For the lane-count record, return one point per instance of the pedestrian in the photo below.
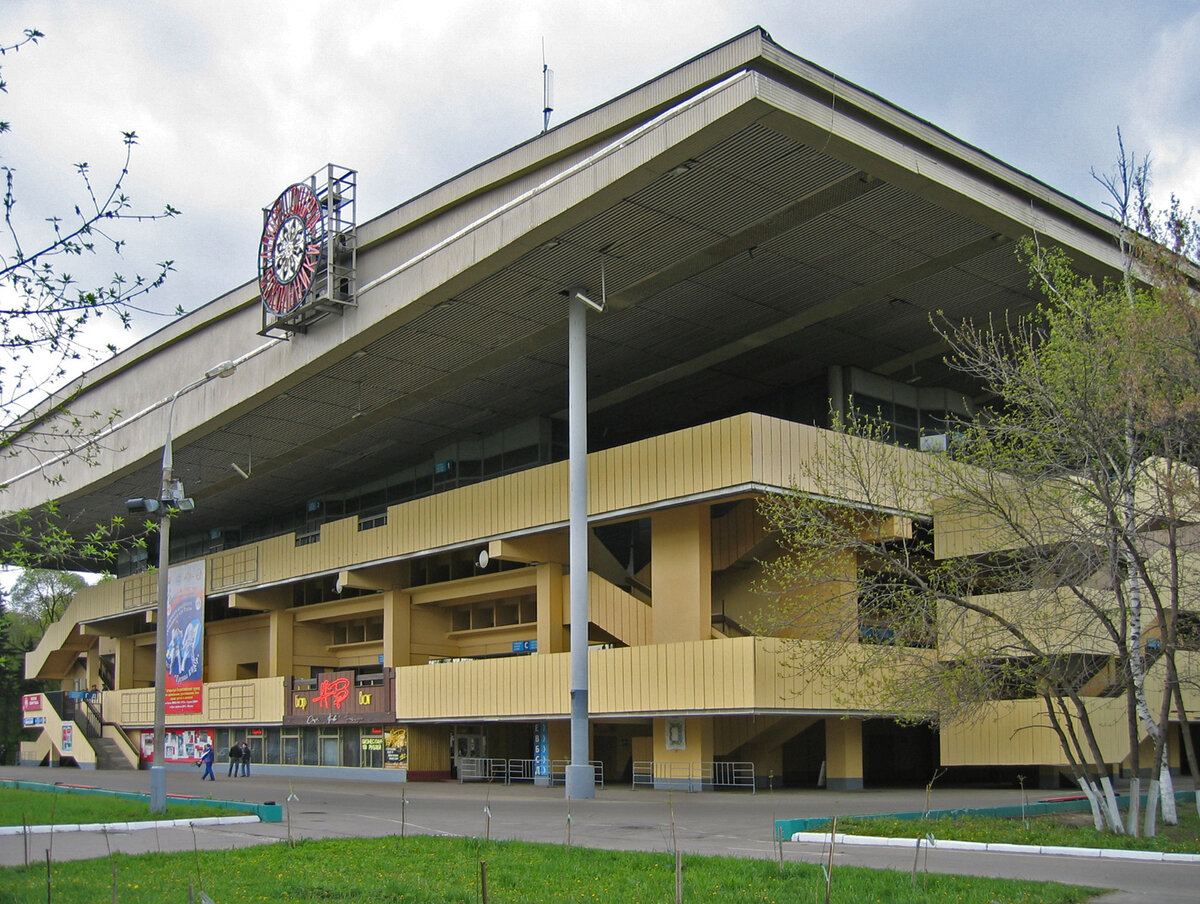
(235, 760)
(245, 757)
(207, 758)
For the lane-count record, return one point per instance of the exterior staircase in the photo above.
(108, 755)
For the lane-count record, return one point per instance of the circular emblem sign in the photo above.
(293, 237)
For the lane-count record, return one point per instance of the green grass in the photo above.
(432, 870)
(1067, 830)
(68, 808)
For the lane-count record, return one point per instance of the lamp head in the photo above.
(582, 295)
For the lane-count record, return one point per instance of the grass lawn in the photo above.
(67, 808)
(433, 870)
(1066, 829)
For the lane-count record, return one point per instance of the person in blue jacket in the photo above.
(206, 759)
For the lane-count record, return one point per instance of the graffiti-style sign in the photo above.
(334, 691)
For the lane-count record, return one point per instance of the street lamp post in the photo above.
(170, 500)
(580, 778)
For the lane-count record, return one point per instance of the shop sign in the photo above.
(31, 702)
(337, 701)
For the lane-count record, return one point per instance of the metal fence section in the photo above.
(668, 776)
(558, 772)
(495, 769)
(482, 769)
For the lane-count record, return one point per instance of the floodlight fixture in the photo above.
(582, 295)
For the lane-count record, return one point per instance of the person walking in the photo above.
(207, 758)
(235, 760)
(245, 757)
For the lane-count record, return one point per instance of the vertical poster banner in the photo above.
(395, 749)
(541, 749)
(185, 638)
(68, 738)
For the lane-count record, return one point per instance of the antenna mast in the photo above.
(547, 90)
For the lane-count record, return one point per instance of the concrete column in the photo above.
(397, 628)
(681, 574)
(281, 643)
(843, 755)
(123, 667)
(681, 744)
(551, 638)
(92, 678)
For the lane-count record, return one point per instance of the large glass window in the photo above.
(309, 750)
(331, 743)
(289, 749)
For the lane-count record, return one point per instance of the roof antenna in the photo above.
(547, 89)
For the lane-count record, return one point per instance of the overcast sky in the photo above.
(234, 99)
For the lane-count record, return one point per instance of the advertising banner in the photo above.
(68, 737)
(395, 751)
(185, 638)
(179, 745)
(31, 702)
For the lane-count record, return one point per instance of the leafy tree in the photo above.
(18, 635)
(48, 306)
(42, 595)
(1049, 555)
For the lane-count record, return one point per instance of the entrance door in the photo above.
(465, 746)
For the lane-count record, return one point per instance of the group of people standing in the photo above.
(239, 761)
(239, 758)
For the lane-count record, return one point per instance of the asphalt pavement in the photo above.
(733, 823)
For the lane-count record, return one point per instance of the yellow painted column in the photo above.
(681, 574)
(681, 744)
(397, 628)
(843, 755)
(123, 667)
(92, 679)
(281, 643)
(551, 638)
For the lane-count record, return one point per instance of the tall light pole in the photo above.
(170, 500)
(581, 778)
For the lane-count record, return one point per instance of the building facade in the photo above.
(381, 490)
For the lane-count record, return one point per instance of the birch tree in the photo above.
(1051, 552)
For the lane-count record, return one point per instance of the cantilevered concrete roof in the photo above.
(758, 220)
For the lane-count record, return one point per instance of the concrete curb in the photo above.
(998, 848)
(130, 826)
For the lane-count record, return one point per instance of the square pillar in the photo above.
(551, 637)
(281, 642)
(843, 755)
(123, 664)
(397, 628)
(681, 745)
(681, 574)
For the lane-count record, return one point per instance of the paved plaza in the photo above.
(728, 823)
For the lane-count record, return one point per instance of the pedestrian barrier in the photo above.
(482, 769)
(496, 769)
(558, 772)
(692, 776)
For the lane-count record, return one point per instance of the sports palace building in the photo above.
(376, 576)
